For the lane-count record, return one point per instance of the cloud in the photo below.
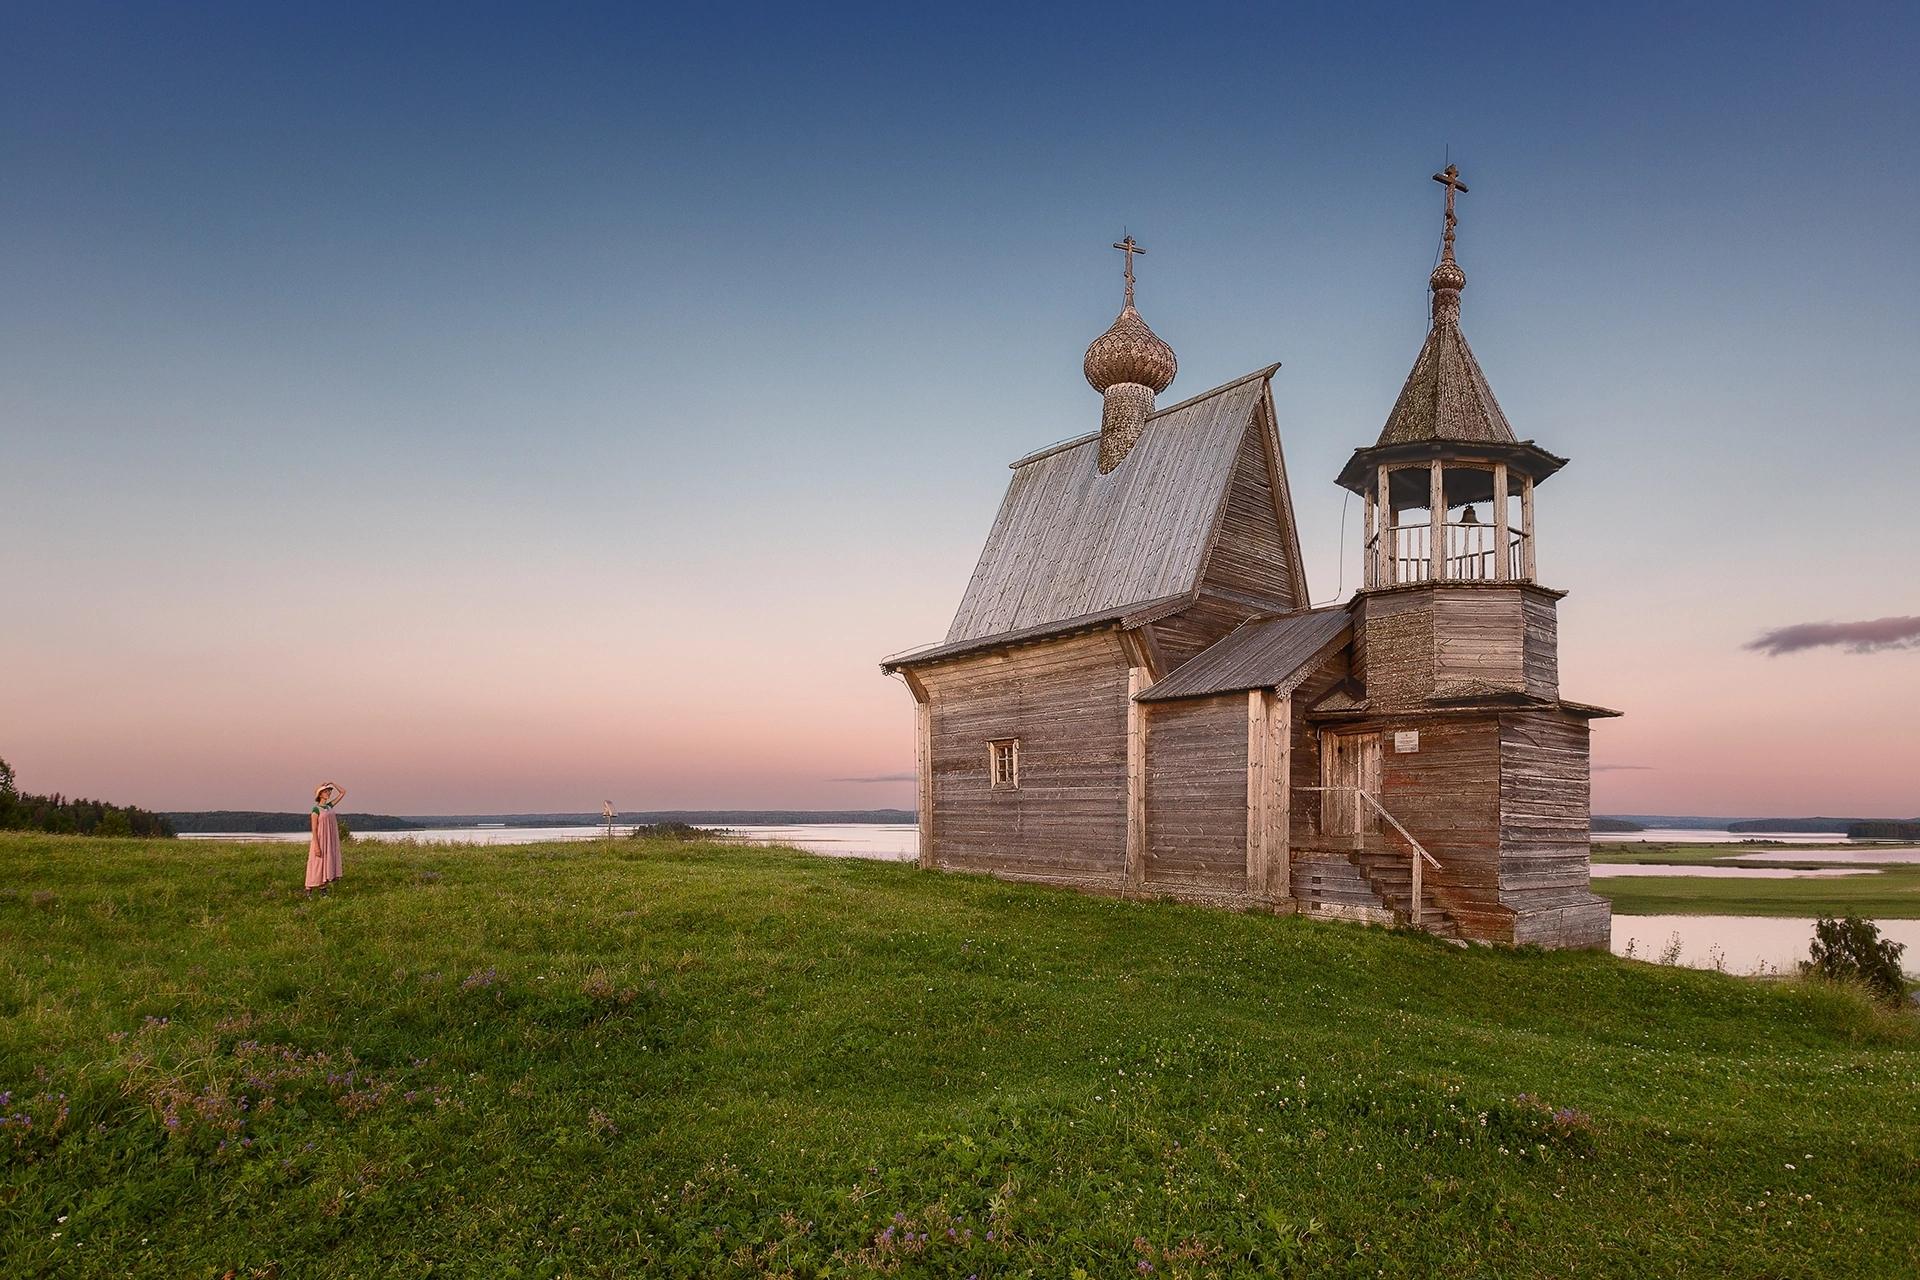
(1879, 635)
(880, 777)
(1617, 768)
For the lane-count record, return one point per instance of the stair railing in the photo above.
(1421, 858)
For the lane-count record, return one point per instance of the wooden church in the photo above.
(1135, 696)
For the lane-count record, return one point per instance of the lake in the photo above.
(1608, 870)
(1744, 944)
(1685, 835)
(881, 841)
(1877, 853)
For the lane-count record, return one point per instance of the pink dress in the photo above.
(323, 850)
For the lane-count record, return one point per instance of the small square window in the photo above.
(1003, 763)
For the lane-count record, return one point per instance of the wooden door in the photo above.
(1349, 761)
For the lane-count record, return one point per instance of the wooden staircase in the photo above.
(1391, 878)
(1345, 878)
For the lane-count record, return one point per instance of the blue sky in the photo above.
(512, 407)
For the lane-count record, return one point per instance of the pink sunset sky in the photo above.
(587, 423)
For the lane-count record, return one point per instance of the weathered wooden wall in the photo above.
(1066, 700)
(1250, 555)
(1305, 763)
(1541, 615)
(1196, 804)
(1179, 637)
(1477, 641)
(1251, 568)
(1545, 814)
(1455, 639)
(1393, 642)
(1448, 795)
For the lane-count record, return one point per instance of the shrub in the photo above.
(670, 831)
(1852, 950)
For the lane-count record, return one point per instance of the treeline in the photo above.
(1789, 826)
(57, 814)
(1855, 828)
(260, 822)
(1884, 829)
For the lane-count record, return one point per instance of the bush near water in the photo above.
(1851, 950)
(624, 1058)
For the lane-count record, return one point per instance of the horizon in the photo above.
(507, 414)
(762, 810)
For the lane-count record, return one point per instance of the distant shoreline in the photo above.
(253, 822)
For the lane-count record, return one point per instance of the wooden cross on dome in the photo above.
(1128, 247)
(1450, 179)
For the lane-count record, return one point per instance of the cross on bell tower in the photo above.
(1447, 446)
(1128, 247)
(1450, 179)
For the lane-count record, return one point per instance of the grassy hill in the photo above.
(636, 1059)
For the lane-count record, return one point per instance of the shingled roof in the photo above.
(1071, 543)
(1446, 397)
(1445, 410)
(1262, 653)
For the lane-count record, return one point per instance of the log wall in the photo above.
(1066, 701)
(1540, 615)
(1250, 556)
(1250, 570)
(1454, 639)
(1478, 641)
(1179, 637)
(1197, 794)
(1447, 794)
(1394, 644)
(1545, 814)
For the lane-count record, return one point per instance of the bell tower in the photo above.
(1452, 713)
(1450, 594)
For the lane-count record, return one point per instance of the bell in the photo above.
(1467, 517)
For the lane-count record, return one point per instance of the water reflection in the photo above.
(1605, 870)
(1741, 944)
(1688, 835)
(1889, 854)
(884, 843)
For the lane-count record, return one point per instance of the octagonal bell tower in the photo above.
(1455, 716)
(1449, 552)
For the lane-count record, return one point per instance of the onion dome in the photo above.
(1130, 352)
(1128, 365)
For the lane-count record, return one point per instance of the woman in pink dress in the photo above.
(323, 847)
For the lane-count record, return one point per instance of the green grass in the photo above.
(639, 1059)
(1891, 892)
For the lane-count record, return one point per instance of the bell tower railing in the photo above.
(1439, 549)
(1471, 554)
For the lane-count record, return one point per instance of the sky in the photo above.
(504, 408)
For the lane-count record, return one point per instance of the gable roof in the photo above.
(1446, 397)
(1070, 543)
(1262, 653)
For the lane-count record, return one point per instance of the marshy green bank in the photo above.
(652, 1059)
